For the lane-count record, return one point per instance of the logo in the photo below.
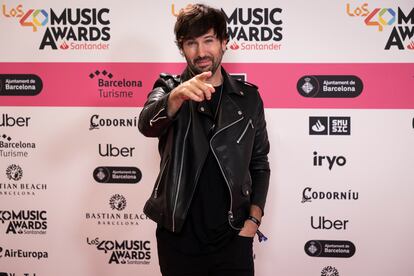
(9, 121)
(24, 222)
(329, 86)
(117, 202)
(239, 76)
(20, 85)
(117, 175)
(117, 215)
(318, 160)
(402, 33)
(108, 87)
(329, 125)
(112, 151)
(322, 223)
(308, 195)
(22, 254)
(97, 123)
(15, 173)
(329, 271)
(15, 274)
(330, 249)
(67, 29)
(253, 29)
(10, 148)
(131, 252)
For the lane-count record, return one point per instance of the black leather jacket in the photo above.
(240, 145)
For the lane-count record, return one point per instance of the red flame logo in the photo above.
(64, 46)
(411, 45)
(234, 46)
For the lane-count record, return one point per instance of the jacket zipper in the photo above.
(180, 174)
(250, 123)
(153, 120)
(159, 181)
(230, 216)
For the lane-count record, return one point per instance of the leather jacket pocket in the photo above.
(160, 178)
(245, 131)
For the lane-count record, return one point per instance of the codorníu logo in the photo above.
(32, 222)
(402, 33)
(329, 271)
(136, 252)
(96, 122)
(330, 86)
(22, 254)
(322, 125)
(117, 175)
(308, 195)
(20, 85)
(330, 249)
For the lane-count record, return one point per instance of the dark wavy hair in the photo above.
(197, 19)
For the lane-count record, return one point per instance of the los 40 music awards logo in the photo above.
(402, 33)
(66, 28)
(252, 28)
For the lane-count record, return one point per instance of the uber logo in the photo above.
(326, 224)
(112, 151)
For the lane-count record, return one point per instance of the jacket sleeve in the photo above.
(259, 164)
(154, 119)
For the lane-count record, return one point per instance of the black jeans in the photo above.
(235, 259)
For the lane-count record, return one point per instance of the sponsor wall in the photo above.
(337, 81)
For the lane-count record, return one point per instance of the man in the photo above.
(209, 197)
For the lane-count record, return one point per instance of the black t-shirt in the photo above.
(206, 228)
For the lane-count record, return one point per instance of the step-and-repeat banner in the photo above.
(337, 80)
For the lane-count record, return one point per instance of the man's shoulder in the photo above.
(168, 80)
(247, 84)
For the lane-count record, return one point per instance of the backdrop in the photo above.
(337, 81)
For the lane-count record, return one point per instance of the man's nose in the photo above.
(201, 50)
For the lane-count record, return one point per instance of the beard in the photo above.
(195, 69)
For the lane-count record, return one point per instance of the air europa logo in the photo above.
(402, 34)
(67, 29)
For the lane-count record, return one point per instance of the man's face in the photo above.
(204, 53)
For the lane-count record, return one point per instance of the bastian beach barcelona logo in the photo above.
(16, 185)
(70, 28)
(252, 28)
(397, 22)
(116, 213)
